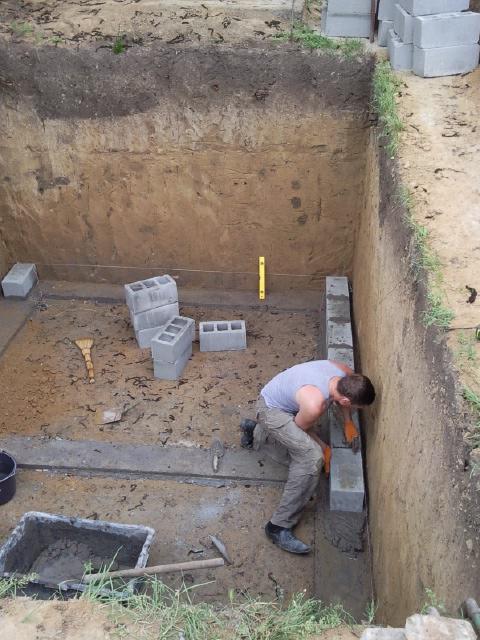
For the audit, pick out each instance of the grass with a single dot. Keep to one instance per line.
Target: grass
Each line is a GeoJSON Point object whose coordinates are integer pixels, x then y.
{"type": "Point", "coordinates": [432, 600]}
{"type": "Point", "coordinates": [10, 586]}
{"type": "Point", "coordinates": [167, 614]}
{"type": "Point", "coordinates": [473, 400]}
{"type": "Point", "coordinates": [349, 47]}
{"type": "Point", "coordinates": [385, 91]}
{"type": "Point", "coordinates": [119, 45]}
{"type": "Point", "coordinates": [21, 28]}
{"type": "Point", "coordinates": [466, 354]}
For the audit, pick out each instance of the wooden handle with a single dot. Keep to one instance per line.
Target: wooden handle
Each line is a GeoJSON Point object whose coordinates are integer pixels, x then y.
{"type": "Point", "coordinates": [160, 568]}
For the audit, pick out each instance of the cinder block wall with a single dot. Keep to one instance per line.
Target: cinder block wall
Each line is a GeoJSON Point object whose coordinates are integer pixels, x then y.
{"type": "Point", "coordinates": [196, 159]}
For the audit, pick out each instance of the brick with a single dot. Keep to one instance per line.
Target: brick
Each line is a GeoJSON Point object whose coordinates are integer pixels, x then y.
{"type": "Point", "coordinates": [400, 55]}
{"type": "Point", "coordinates": [383, 28]}
{"type": "Point", "coordinates": [344, 355]}
{"type": "Point", "coordinates": [339, 334]}
{"type": "Point", "coordinates": [335, 424]}
{"type": "Point", "coordinates": [153, 292]}
{"type": "Point", "coordinates": [347, 489]}
{"type": "Point", "coordinates": [144, 336]}
{"type": "Point", "coordinates": [172, 370]}
{"type": "Point", "coordinates": [154, 317]}
{"type": "Point", "coordinates": [169, 343]}
{"type": "Point", "coordinates": [337, 286]}
{"type": "Point", "coordinates": [429, 7]}
{"type": "Point", "coordinates": [446, 30]}
{"type": "Point", "coordinates": [445, 61]}
{"type": "Point", "coordinates": [20, 280]}
{"type": "Point", "coordinates": [385, 9]}
{"type": "Point", "coordinates": [225, 335]}
{"type": "Point", "coordinates": [357, 26]}
{"type": "Point", "coordinates": [403, 24]}
{"type": "Point", "coordinates": [349, 7]}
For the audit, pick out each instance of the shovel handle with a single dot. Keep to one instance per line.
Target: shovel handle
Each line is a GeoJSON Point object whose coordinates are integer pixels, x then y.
{"type": "Point", "coordinates": [156, 570]}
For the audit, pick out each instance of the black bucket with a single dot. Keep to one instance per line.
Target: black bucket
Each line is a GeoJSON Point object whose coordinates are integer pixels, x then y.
{"type": "Point", "coordinates": [8, 469]}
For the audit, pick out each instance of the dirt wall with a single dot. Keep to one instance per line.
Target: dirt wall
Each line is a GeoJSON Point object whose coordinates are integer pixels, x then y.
{"type": "Point", "coordinates": [424, 520]}
{"type": "Point", "coordinates": [193, 161]}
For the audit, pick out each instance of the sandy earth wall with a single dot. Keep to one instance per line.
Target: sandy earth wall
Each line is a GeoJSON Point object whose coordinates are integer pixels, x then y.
{"type": "Point", "coordinates": [424, 520]}
{"type": "Point", "coordinates": [194, 161]}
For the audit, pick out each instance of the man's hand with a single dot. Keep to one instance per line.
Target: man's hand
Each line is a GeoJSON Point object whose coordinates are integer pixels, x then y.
{"type": "Point", "coordinates": [351, 435]}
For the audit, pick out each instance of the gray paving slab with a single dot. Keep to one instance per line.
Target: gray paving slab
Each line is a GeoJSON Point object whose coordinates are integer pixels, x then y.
{"type": "Point", "coordinates": [426, 7]}
{"type": "Point", "coordinates": [90, 455]}
{"type": "Point", "coordinates": [446, 30]}
{"type": "Point", "coordinates": [13, 315]}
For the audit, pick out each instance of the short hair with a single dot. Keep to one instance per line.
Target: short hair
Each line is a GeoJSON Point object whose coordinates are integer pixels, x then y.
{"type": "Point", "coordinates": [357, 388]}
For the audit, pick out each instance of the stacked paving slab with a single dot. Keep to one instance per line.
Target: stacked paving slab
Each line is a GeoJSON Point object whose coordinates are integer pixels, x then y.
{"type": "Point", "coordinates": [347, 488]}
{"type": "Point", "coordinates": [346, 18]}
{"type": "Point", "coordinates": [431, 37]}
{"type": "Point", "coordinates": [20, 280]}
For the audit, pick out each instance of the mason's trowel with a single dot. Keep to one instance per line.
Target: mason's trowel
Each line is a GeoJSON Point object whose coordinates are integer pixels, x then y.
{"type": "Point", "coordinates": [217, 451]}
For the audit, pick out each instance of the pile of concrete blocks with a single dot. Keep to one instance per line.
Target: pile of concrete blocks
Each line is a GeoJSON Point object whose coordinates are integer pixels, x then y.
{"type": "Point", "coordinates": [433, 37]}
{"type": "Point", "coordinates": [20, 280]}
{"type": "Point", "coordinates": [347, 487]}
{"type": "Point", "coordinates": [224, 335]}
{"type": "Point", "coordinates": [346, 18]}
{"type": "Point", "coordinates": [152, 304]}
{"type": "Point", "coordinates": [172, 348]}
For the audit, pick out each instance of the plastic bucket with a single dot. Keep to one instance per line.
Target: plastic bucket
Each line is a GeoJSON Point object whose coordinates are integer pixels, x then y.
{"type": "Point", "coordinates": [8, 469]}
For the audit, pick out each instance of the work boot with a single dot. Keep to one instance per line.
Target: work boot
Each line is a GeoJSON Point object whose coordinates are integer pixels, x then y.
{"type": "Point", "coordinates": [284, 538]}
{"type": "Point", "coordinates": [247, 427]}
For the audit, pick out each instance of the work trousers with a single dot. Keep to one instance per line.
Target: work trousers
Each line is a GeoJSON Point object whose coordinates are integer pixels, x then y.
{"type": "Point", "coordinates": [277, 434]}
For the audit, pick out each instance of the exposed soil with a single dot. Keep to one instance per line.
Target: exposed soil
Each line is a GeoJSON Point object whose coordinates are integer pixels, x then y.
{"type": "Point", "coordinates": [47, 393]}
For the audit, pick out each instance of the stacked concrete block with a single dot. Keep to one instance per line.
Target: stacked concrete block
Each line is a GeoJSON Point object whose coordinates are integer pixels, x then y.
{"type": "Point", "coordinates": [385, 20]}
{"type": "Point", "coordinates": [384, 27]}
{"type": "Point", "coordinates": [152, 304]}
{"type": "Point", "coordinates": [225, 335]}
{"type": "Point", "coordinates": [434, 37]}
{"type": "Point", "coordinates": [20, 280]}
{"type": "Point", "coordinates": [347, 18]}
{"type": "Point", "coordinates": [347, 489]}
{"type": "Point", "coordinates": [172, 348]}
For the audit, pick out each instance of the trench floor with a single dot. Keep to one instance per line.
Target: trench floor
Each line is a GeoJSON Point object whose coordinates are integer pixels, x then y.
{"type": "Point", "coordinates": [153, 467]}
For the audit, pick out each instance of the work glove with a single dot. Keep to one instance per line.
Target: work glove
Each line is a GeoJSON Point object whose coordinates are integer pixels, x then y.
{"type": "Point", "coordinates": [351, 435]}
{"type": "Point", "coordinates": [327, 456]}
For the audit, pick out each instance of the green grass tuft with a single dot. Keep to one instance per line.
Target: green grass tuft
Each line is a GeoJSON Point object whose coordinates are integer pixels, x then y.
{"type": "Point", "coordinates": [385, 90]}
{"type": "Point", "coordinates": [348, 47]}
{"type": "Point", "coordinates": [119, 45]}
{"type": "Point", "coordinates": [473, 400]}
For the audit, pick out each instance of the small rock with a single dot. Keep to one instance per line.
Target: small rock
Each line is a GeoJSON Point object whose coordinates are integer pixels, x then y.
{"type": "Point", "coordinates": [420, 627]}
{"type": "Point", "coordinates": [469, 544]}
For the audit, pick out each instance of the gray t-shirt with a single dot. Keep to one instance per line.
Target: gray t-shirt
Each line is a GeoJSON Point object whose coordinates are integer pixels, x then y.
{"type": "Point", "coordinates": [280, 392]}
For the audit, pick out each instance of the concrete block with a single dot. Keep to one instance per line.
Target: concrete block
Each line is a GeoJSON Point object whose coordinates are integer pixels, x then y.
{"type": "Point", "coordinates": [335, 424]}
{"type": "Point", "coordinates": [154, 317]}
{"type": "Point", "coordinates": [445, 61]}
{"type": "Point", "coordinates": [349, 7]}
{"type": "Point", "coordinates": [172, 370]}
{"type": "Point", "coordinates": [401, 55]}
{"type": "Point", "coordinates": [339, 334]}
{"type": "Point", "coordinates": [169, 343]}
{"type": "Point", "coordinates": [20, 280]}
{"type": "Point", "coordinates": [403, 24]}
{"type": "Point", "coordinates": [385, 9]}
{"type": "Point", "coordinates": [153, 292]}
{"type": "Point", "coordinates": [383, 28]}
{"type": "Point", "coordinates": [336, 286]}
{"type": "Point", "coordinates": [347, 489]}
{"type": "Point", "coordinates": [180, 321]}
{"type": "Point", "coordinates": [343, 355]}
{"type": "Point", "coordinates": [353, 26]}
{"type": "Point", "coordinates": [383, 634]}
{"type": "Point", "coordinates": [446, 30]}
{"type": "Point", "coordinates": [144, 336]}
{"type": "Point", "coordinates": [418, 627]}
{"type": "Point", "coordinates": [338, 308]}
{"type": "Point", "coordinates": [225, 335]}
{"type": "Point", "coordinates": [429, 7]}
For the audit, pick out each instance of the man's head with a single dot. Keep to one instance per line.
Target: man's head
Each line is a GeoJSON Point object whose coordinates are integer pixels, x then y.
{"type": "Point", "coordinates": [354, 391]}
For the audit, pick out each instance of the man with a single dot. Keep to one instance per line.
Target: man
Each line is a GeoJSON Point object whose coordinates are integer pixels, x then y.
{"type": "Point", "coordinates": [287, 410]}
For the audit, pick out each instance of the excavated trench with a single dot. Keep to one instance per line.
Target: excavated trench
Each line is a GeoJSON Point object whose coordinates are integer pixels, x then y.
{"type": "Point", "coordinates": [195, 161]}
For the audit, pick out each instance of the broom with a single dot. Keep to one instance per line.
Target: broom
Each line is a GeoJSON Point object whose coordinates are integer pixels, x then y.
{"type": "Point", "coordinates": [85, 345]}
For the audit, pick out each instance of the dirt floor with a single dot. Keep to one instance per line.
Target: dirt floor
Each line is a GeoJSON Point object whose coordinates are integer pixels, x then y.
{"type": "Point", "coordinates": [54, 398]}
{"type": "Point", "coordinates": [439, 162]}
